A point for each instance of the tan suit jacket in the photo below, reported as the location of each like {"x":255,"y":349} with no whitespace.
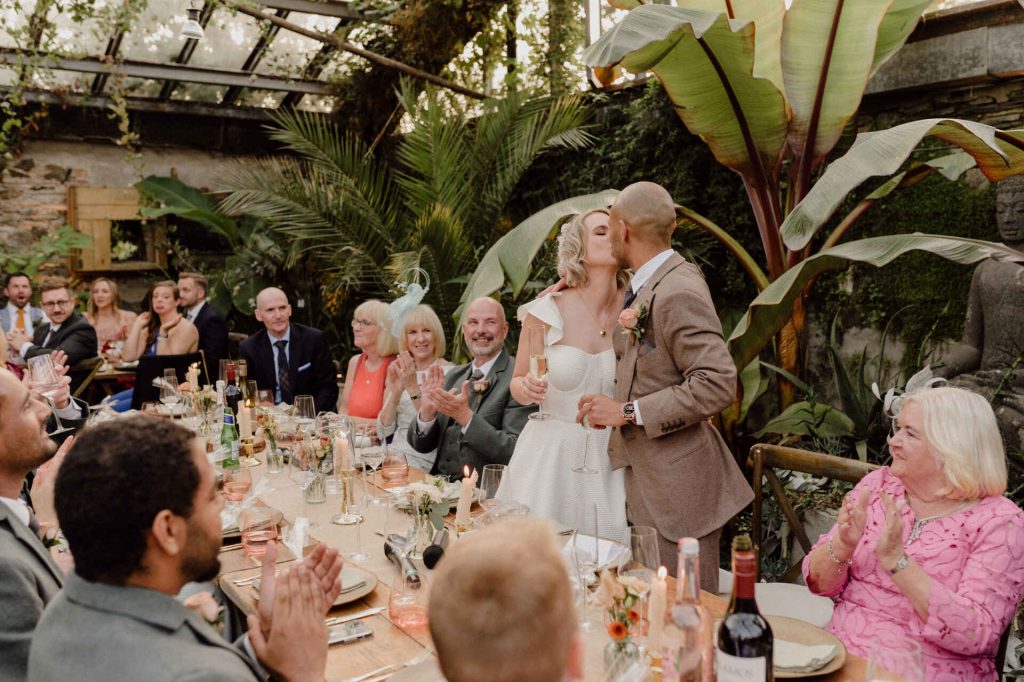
{"x":681,"y":374}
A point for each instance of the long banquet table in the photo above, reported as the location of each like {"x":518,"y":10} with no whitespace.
{"x":391,"y":643}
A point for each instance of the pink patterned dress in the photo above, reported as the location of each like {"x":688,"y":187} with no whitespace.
{"x":975,"y":558}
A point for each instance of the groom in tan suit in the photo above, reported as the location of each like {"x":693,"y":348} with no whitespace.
{"x":673,"y":373}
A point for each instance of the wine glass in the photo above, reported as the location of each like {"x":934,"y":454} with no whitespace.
{"x":538,"y":361}
{"x":47,"y":382}
{"x":373,"y":458}
{"x":490,"y":481}
{"x":237,"y":482}
{"x":169,"y":394}
{"x":642,"y":564}
{"x":305,"y":413}
{"x":895,"y":659}
{"x":356,"y":507}
{"x":583,"y":468}
{"x":584,"y":550}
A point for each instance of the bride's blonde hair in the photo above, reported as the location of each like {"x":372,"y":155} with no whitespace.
{"x":572,"y":240}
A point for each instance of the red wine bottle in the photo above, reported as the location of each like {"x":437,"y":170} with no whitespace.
{"x":232,"y":394}
{"x":744,"y":649}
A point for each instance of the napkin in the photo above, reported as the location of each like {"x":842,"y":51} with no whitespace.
{"x":229,"y":514}
{"x":607,"y":552}
{"x":351,"y":579}
{"x":800,"y":658}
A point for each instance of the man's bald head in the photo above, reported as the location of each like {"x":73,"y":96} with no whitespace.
{"x":485,"y":328}
{"x":273,"y":310}
{"x":648,"y":210}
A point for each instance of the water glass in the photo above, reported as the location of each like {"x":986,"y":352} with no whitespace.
{"x":394,"y":471}
{"x":275,"y":460}
{"x":642,"y":564}
{"x":259,"y":525}
{"x":305,"y":413}
{"x":490,"y":481}
{"x":895,"y":659}
{"x":237,"y":482}
{"x":407,"y":604}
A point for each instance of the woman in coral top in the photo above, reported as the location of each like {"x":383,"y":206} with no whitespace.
{"x":363,"y":394}
{"x":928,"y":548}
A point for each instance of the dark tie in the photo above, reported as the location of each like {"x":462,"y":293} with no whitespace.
{"x":283,"y":381}
{"x":477,"y":374}
{"x":630,"y":295}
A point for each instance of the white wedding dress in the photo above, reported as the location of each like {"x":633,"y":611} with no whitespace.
{"x":540,"y":474}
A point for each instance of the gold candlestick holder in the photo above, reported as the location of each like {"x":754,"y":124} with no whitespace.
{"x":347,"y":495}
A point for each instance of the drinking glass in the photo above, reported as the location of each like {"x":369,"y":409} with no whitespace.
{"x":373,"y":458}
{"x":265,"y":397}
{"x":305,"y":414}
{"x":642,"y":564}
{"x":895,"y":659}
{"x":47,"y":382}
{"x":237,"y":482}
{"x":535,"y":338}
{"x":584,"y":549}
{"x":356,"y":507}
{"x":407,"y":604}
{"x":490,"y":481}
{"x":394,"y":469}
{"x":259,"y":525}
{"x":222,"y":370}
{"x":583,"y":468}
{"x":169,"y":394}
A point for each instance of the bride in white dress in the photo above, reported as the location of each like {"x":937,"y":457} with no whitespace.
{"x":579,"y":323}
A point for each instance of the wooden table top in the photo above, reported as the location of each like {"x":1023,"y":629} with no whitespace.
{"x":390,"y":643}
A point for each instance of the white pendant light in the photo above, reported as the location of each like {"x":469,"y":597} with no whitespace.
{"x":192,"y":28}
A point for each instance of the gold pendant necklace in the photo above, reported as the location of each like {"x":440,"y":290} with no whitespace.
{"x":600,"y":327}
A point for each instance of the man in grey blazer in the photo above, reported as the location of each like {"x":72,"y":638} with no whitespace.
{"x":138,"y":503}
{"x":29,"y":578}
{"x":469,"y":416}
{"x":673,"y":374}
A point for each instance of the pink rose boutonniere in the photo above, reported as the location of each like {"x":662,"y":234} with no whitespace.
{"x":632,"y":322}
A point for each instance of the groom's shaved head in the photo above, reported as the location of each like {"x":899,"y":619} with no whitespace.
{"x":648,"y":210}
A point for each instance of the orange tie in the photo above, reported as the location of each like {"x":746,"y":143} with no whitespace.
{"x":20,"y":323}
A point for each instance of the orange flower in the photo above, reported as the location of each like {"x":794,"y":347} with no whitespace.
{"x":634,"y":616}
{"x":617,"y":630}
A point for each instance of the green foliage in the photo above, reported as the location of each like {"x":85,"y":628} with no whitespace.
{"x":49,"y":250}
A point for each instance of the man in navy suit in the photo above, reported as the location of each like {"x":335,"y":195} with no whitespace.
{"x":213,"y":333}
{"x":290,"y":359}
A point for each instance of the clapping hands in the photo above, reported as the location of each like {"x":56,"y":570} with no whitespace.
{"x":850,"y":524}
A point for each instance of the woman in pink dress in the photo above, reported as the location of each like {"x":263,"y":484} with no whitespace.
{"x":363,"y":394}
{"x":928,"y":548}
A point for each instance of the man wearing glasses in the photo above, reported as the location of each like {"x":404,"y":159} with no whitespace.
{"x":67,"y":330}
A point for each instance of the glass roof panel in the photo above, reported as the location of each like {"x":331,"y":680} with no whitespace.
{"x":197,"y":92}
{"x":65,"y":81}
{"x":229,"y":40}
{"x":8,"y":76}
{"x":154,"y":36}
{"x":14,"y":18}
{"x":88,"y":37}
{"x":320,"y":104}
{"x":140,"y":87}
{"x":289,"y":52}
{"x":264,"y":99}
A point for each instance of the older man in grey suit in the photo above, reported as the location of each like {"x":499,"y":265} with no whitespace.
{"x":469,"y":416}
{"x":29,"y":578}
{"x":139,"y":505}
{"x":673,"y":374}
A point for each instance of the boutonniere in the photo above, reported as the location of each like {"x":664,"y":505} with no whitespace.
{"x":480,"y":386}
{"x":208,"y":609}
{"x":632,"y":322}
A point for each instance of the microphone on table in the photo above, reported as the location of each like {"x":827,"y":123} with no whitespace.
{"x":433,"y":553}
{"x":402,"y":563}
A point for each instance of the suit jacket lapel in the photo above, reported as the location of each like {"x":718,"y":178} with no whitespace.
{"x":499,"y":368}
{"x":34,"y":544}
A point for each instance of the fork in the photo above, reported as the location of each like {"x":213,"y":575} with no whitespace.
{"x":387,"y":671}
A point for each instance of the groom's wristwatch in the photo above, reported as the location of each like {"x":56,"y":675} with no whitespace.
{"x":629,"y":412}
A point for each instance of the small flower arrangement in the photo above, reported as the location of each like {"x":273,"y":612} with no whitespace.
{"x":123,"y":250}
{"x":207,"y":607}
{"x":427,"y":500}
{"x":268,"y":422}
{"x":620,"y":595}
{"x":632,"y":321}
{"x":480,"y":386}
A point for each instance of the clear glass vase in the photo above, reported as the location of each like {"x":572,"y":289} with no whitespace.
{"x":316,"y":488}
{"x":620,"y":656}
{"x":423,"y":532}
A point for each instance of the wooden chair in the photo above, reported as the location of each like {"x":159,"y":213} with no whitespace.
{"x":763,"y":461}
{"x":82,"y":373}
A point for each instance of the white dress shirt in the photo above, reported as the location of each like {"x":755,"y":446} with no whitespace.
{"x":18,"y":508}
{"x":193,"y":312}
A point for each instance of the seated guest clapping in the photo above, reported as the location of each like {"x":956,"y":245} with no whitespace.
{"x":501,"y":608}
{"x":287,"y":358}
{"x":422,"y":345}
{"x":928,"y":548}
{"x":363,"y":393}
{"x":138,"y":502}
{"x":67,"y":330}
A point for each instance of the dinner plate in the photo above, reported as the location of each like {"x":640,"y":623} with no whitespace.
{"x":127,"y":365}
{"x":793,"y":630}
{"x":426,"y":671}
{"x":350,"y":575}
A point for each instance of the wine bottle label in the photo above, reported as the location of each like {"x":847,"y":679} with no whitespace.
{"x":729,"y":668}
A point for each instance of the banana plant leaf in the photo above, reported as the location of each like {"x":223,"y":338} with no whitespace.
{"x":998,"y":154}
{"x":707,"y":63}
{"x":809,"y":419}
{"x":188,"y":202}
{"x":770,"y":311}
{"x":511,"y":257}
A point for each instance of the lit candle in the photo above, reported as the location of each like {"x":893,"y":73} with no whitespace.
{"x":465,"y":497}
{"x":341,"y":452}
{"x":193,"y":377}
{"x":656,"y":612}
{"x":245,"y":421}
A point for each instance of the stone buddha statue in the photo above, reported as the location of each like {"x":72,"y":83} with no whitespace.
{"x":990,"y":359}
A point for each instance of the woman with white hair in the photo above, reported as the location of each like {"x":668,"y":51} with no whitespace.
{"x":928,"y":548}
{"x":579,"y":322}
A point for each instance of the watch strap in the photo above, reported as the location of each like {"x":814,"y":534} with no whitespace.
{"x":899,"y":565}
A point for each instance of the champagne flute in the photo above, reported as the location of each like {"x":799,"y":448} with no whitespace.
{"x":373,"y":459}
{"x":356,"y":506}
{"x":583,"y":468}
{"x":490,"y":481}
{"x":535,"y":337}
{"x":48,"y":384}
{"x":169,"y":395}
{"x":584,"y":544}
